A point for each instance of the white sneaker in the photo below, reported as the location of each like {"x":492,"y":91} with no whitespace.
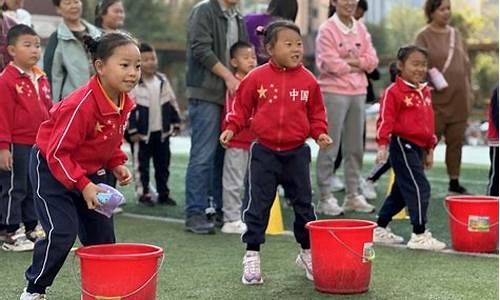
{"x":251,"y":268}
{"x":383,"y":235}
{"x":356,"y":202}
{"x":425,"y":241}
{"x":234,"y":227}
{"x":367,"y":188}
{"x":337,"y":184}
{"x":19,"y":243}
{"x":329,"y":206}
{"x":304,"y":261}
{"x":29,"y":296}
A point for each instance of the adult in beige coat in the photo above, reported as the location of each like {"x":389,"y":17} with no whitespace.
{"x":451,"y":105}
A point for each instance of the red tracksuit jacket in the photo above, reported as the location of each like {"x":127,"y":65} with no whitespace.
{"x":406,"y":111}
{"x":22,"y":109}
{"x":286,"y":103}
{"x":84,"y":134}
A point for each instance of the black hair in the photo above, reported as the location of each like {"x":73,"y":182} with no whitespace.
{"x":363,"y":4}
{"x":270,"y":33}
{"x":237,"y":46}
{"x":430,"y":7}
{"x":104,"y":47}
{"x":16,"y":31}
{"x":56,"y":3}
{"x":101,"y":9}
{"x":405,"y":51}
{"x":284,"y":9}
{"x":393,"y":71}
{"x":145,"y":47}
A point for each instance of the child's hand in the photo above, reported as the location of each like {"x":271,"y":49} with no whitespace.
{"x":324,"y":140}
{"x":226,"y":137}
{"x":90,"y":195}
{"x":123,"y":175}
{"x":382,"y":155}
{"x":135,"y":138}
{"x":429,"y":159}
{"x":5,"y":160}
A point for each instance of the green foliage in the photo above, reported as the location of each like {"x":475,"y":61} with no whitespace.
{"x":402,"y":24}
{"x":485,"y":74}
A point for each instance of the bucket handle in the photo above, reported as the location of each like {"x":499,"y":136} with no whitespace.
{"x":364,"y":257}
{"x":460,"y":222}
{"x":118,"y":297}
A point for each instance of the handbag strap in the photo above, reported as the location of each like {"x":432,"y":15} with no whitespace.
{"x":451,"y":49}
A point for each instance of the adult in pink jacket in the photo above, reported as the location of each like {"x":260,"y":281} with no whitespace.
{"x":344,"y":53}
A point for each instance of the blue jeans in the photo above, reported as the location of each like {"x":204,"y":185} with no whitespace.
{"x":203,"y":176}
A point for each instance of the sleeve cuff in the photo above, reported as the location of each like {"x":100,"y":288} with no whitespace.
{"x":4,"y":145}
{"x":82,"y":183}
{"x":115,"y":163}
{"x":232,"y":128}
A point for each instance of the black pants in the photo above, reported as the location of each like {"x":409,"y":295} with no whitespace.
{"x":410,"y":187}
{"x":63,"y":214}
{"x":160,"y":152}
{"x":16,"y":197}
{"x":267,"y":169}
{"x":379,"y":170}
{"x":493,"y":175}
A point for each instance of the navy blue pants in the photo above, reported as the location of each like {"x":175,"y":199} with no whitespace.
{"x":160,"y":152}
{"x":267,"y":169}
{"x":16,"y":197}
{"x":410,"y":187}
{"x":63,"y":215}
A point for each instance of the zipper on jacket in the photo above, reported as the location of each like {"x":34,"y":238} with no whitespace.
{"x":282,"y":104}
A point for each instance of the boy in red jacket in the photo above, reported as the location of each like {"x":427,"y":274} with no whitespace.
{"x":26,"y":100}
{"x":283,"y":103}
{"x":405,"y":129}
{"x":243,"y":60}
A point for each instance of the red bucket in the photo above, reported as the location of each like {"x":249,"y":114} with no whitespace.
{"x":473,"y":223}
{"x":119,"y":271}
{"x":342,"y":251}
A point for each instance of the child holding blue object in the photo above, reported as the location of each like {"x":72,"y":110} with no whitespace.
{"x":405,"y":136}
{"x":282,"y":102}
{"x":81,"y":140}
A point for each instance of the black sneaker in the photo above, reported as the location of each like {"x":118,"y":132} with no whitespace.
{"x":217,"y":219}
{"x":457,"y":190}
{"x":199,"y":224}
{"x":166,"y":200}
{"x":147,"y":200}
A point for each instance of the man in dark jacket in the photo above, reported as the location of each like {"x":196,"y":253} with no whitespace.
{"x":213,"y":27}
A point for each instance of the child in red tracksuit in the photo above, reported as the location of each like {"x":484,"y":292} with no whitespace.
{"x":405,"y":135}
{"x":243,"y":60}
{"x":284,"y":103}
{"x":24,"y":105}
{"x":74,"y":148}
{"x":493,"y":143}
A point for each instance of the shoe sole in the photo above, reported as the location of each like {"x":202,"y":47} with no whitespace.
{"x":197,"y":231}
{"x":359,"y":210}
{"x":245,"y":282}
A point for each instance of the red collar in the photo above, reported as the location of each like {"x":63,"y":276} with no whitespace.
{"x":106,"y":106}
{"x":406,"y":86}
{"x":277,"y":68}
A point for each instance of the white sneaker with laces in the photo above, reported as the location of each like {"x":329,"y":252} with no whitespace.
{"x":383,"y":235}
{"x":337,"y":184}
{"x":21,"y":243}
{"x":425,"y":241}
{"x":356,"y":202}
{"x":251,"y":268}
{"x":234,"y":227}
{"x":329,"y":207}
{"x":367,"y":188}
{"x":32,"y":296}
{"x":304,"y":261}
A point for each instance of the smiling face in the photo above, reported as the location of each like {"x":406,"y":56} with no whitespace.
{"x":414,"y":68}
{"x":114,"y":17}
{"x":26,"y":51}
{"x":121,"y":71}
{"x":149,"y":63}
{"x":287,"y":51}
{"x":345,"y":9}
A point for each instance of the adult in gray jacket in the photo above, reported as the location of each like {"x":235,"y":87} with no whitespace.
{"x":66,"y":60}
{"x":213,"y":27}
